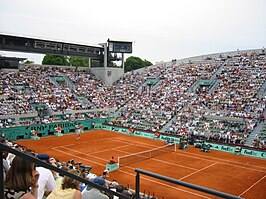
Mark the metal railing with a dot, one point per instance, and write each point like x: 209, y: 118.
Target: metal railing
x: 184, y: 184
x: 38, y: 162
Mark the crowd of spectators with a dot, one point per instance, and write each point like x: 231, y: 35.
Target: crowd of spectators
x: 138, y: 103
x: 23, y: 178
x: 228, y: 114
x: 220, y: 130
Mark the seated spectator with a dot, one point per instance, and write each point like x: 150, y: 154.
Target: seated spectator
x: 124, y: 190
x: 106, y: 173
x: 94, y: 193
x: 112, y: 186
x: 21, y: 180
x: 60, y: 176
x: 6, y: 165
x: 46, y: 181
x: 69, y: 189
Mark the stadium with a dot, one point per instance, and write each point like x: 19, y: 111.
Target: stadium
x: 198, y: 120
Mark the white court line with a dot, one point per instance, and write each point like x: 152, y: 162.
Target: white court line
x: 252, y: 186
x: 201, y: 157
x: 193, y: 156
x: 261, y: 167
x: 119, y: 170
x: 112, y: 148
x: 198, y: 171
x: 137, y: 143
x: 155, y: 159
x: 85, y: 154
x: 230, y: 164
x: 91, y: 141
x: 166, y: 185
x: 72, y: 155
x: 190, y: 155
x: 221, y: 161
x: 90, y: 154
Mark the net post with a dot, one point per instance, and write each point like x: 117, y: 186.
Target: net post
x: 175, y: 146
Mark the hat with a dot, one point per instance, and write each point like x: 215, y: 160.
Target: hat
x: 99, y: 181
x: 43, y: 157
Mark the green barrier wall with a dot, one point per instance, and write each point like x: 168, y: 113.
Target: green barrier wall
x: 143, y: 134
x: 140, y: 133
x: 253, y: 153
x: 219, y: 147
x: 24, y: 132
x: 244, y: 151
x: 214, y: 146
x: 172, y: 139
x: 106, y: 127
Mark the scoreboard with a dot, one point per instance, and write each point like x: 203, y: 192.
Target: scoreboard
x: 119, y: 46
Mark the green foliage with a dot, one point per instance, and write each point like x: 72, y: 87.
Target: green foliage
x: 133, y: 63
x: 55, y: 60
x: 95, y: 63
x: 147, y: 63
x: 79, y: 61
x: 28, y: 62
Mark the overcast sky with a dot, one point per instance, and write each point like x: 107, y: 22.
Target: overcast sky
x: 161, y: 30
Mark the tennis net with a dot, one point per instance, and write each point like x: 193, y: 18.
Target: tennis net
x: 141, y: 156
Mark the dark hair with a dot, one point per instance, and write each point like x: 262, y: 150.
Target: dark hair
x: 120, y: 188
x: 20, y: 175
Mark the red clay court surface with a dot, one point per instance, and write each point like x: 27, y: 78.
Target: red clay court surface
x: 238, y: 175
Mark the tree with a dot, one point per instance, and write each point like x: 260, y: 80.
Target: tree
x: 55, y: 60
x: 79, y: 61
x: 28, y: 62
x: 147, y: 63
x: 133, y: 63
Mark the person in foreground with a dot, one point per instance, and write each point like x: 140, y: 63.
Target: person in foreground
x: 69, y: 189
x: 94, y: 193
x: 21, y: 180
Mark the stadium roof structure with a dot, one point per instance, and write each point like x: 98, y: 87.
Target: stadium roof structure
x: 11, y: 58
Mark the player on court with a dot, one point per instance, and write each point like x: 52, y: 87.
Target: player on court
x: 78, y: 131
x: 130, y: 131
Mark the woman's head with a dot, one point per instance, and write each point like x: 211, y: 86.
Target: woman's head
x: 69, y: 182
x: 21, y: 174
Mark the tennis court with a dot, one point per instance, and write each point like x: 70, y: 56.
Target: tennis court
x: 237, y: 175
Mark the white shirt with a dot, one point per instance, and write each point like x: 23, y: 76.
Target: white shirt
x: 93, y: 194
x: 46, y: 181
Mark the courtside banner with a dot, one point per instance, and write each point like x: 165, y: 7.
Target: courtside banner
x: 253, y: 153
x: 170, y: 138
x: 107, y: 127
x: 144, y: 134
x: 244, y: 151
x: 121, y: 130
x: 220, y: 147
